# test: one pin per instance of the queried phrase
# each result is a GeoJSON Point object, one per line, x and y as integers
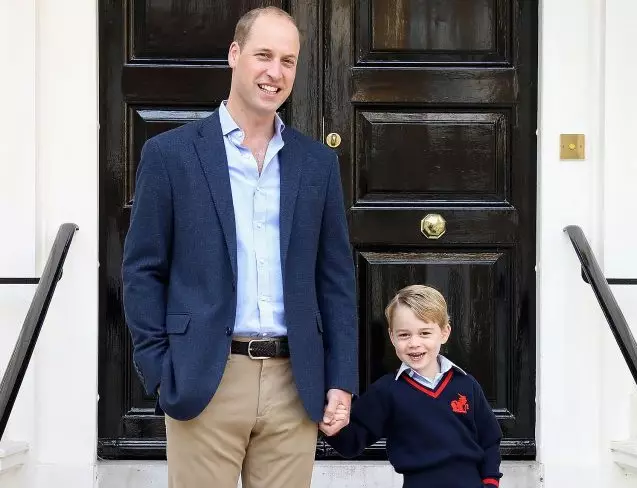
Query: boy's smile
{"type": "Point", "coordinates": [417, 342]}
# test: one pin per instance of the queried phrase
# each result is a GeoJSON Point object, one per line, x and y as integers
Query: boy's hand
{"type": "Point", "coordinates": [336, 414]}
{"type": "Point", "coordinates": [339, 419]}
{"type": "Point", "coordinates": [336, 397]}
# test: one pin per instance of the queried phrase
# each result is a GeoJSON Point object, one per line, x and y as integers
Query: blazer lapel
{"type": "Point", "coordinates": [290, 159]}
{"type": "Point", "coordinates": [212, 156]}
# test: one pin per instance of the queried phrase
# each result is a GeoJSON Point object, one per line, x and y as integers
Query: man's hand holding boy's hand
{"type": "Point", "coordinates": [339, 420]}
{"type": "Point", "coordinates": [336, 414]}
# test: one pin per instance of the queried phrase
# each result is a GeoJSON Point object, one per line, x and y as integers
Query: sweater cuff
{"type": "Point", "coordinates": [491, 482]}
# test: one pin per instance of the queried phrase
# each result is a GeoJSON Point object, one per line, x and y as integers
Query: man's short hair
{"type": "Point", "coordinates": [242, 30]}
{"type": "Point", "coordinates": [425, 302]}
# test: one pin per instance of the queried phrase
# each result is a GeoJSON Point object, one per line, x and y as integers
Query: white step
{"type": "Point", "coordinates": [13, 455]}
{"type": "Point", "coordinates": [327, 474]}
{"type": "Point", "coordinates": [625, 455]}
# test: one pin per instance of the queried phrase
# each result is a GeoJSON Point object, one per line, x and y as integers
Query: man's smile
{"type": "Point", "coordinates": [269, 89]}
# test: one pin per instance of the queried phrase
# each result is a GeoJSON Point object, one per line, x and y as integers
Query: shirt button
{"type": "Point", "coordinates": [228, 331]}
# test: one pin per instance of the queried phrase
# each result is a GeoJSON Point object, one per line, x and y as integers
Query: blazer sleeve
{"type": "Point", "coordinates": [336, 290]}
{"type": "Point", "coordinates": [146, 265]}
{"type": "Point", "coordinates": [489, 436]}
{"type": "Point", "coordinates": [370, 414]}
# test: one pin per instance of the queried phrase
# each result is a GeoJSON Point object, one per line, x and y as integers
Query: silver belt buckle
{"type": "Point", "coordinates": [250, 352]}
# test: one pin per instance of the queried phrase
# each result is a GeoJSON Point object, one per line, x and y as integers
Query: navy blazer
{"type": "Point", "coordinates": [180, 269]}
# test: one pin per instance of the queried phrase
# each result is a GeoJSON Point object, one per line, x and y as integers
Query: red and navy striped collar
{"type": "Point", "coordinates": [433, 387]}
{"type": "Point", "coordinates": [432, 392]}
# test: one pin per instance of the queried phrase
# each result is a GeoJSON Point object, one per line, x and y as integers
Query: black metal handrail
{"type": "Point", "coordinates": [19, 362]}
{"type": "Point", "coordinates": [614, 281]}
{"type": "Point", "coordinates": [614, 316]}
{"type": "Point", "coordinates": [19, 281]}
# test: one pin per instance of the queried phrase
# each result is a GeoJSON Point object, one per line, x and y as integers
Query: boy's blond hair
{"type": "Point", "coordinates": [425, 302]}
{"type": "Point", "coordinates": [242, 29]}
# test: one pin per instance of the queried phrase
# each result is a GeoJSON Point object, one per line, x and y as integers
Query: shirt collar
{"type": "Point", "coordinates": [228, 124]}
{"type": "Point", "coordinates": [445, 365]}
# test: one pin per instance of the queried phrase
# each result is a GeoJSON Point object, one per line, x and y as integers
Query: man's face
{"type": "Point", "coordinates": [265, 67]}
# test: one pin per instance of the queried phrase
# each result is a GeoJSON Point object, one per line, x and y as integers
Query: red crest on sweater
{"type": "Point", "coordinates": [461, 405]}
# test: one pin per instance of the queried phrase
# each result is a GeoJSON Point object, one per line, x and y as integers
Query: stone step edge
{"type": "Point", "coordinates": [12, 455]}
{"type": "Point", "coordinates": [625, 454]}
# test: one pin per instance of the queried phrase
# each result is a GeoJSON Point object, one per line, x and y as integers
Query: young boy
{"type": "Point", "coordinates": [440, 429]}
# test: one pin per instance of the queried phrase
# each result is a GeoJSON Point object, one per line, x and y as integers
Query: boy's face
{"type": "Point", "coordinates": [417, 342]}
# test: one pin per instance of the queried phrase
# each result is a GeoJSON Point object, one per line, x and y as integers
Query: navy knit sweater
{"type": "Point", "coordinates": [447, 437]}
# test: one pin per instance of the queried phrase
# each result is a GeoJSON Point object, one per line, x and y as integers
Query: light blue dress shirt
{"type": "Point", "coordinates": [443, 362]}
{"type": "Point", "coordinates": [256, 201]}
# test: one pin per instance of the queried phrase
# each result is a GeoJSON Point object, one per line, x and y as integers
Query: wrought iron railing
{"type": "Point", "coordinates": [592, 273]}
{"type": "Point", "coordinates": [19, 362]}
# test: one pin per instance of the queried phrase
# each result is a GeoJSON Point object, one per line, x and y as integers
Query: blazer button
{"type": "Point", "coordinates": [228, 331]}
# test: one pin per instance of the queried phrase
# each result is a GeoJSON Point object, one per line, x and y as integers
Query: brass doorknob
{"type": "Point", "coordinates": [433, 226]}
{"type": "Point", "coordinates": [333, 139]}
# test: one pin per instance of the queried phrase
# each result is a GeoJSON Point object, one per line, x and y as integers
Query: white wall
{"type": "Point", "coordinates": [619, 234]}
{"type": "Point", "coordinates": [49, 164]}
{"type": "Point", "coordinates": [67, 191]}
{"type": "Point", "coordinates": [583, 383]}
{"type": "Point", "coordinates": [17, 189]}
{"type": "Point", "coordinates": [569, 328]}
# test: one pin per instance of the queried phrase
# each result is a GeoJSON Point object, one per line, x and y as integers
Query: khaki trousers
{"type": "Point", "coordinates": [255, 425]}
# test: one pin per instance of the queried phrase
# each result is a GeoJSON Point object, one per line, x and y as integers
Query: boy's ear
{"type": "Point", "coordinates": [446, 332]}
{"type": "Point", "coordinates": [391, 335]}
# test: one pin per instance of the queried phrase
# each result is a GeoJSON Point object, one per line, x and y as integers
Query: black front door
{"type": "Point", "coordinates": [434, 103]}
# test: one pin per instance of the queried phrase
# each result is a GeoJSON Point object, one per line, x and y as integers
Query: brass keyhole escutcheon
{"type": "Point", "coordinates": [333, 139]}
{"type": "Point", "coordinates": [433, 226]}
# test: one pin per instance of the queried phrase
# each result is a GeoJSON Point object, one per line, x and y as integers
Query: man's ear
{"type": "Point", "coordinates": [233, 54]}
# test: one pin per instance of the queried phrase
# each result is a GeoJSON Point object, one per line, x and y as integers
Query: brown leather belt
{"type": "Point", "coordinates": [262, 348]}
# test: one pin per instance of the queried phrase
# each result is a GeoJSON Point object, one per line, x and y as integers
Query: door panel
{"type": "Point", "coordinates": [435, 102]}
{"type": "Point", "coordinates": [480, 308]}
{"type": "Point", "coordinates": [144, 123]}
{"type": "Point", "coordinates": [458, 156]}
{"type": "Point", "coordinates": [186, 30]}
{"type": "Point", "coordinates": [431, 27]}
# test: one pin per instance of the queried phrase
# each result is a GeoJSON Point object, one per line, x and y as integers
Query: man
{"type": "Point", "coordinates": [238, 279]}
